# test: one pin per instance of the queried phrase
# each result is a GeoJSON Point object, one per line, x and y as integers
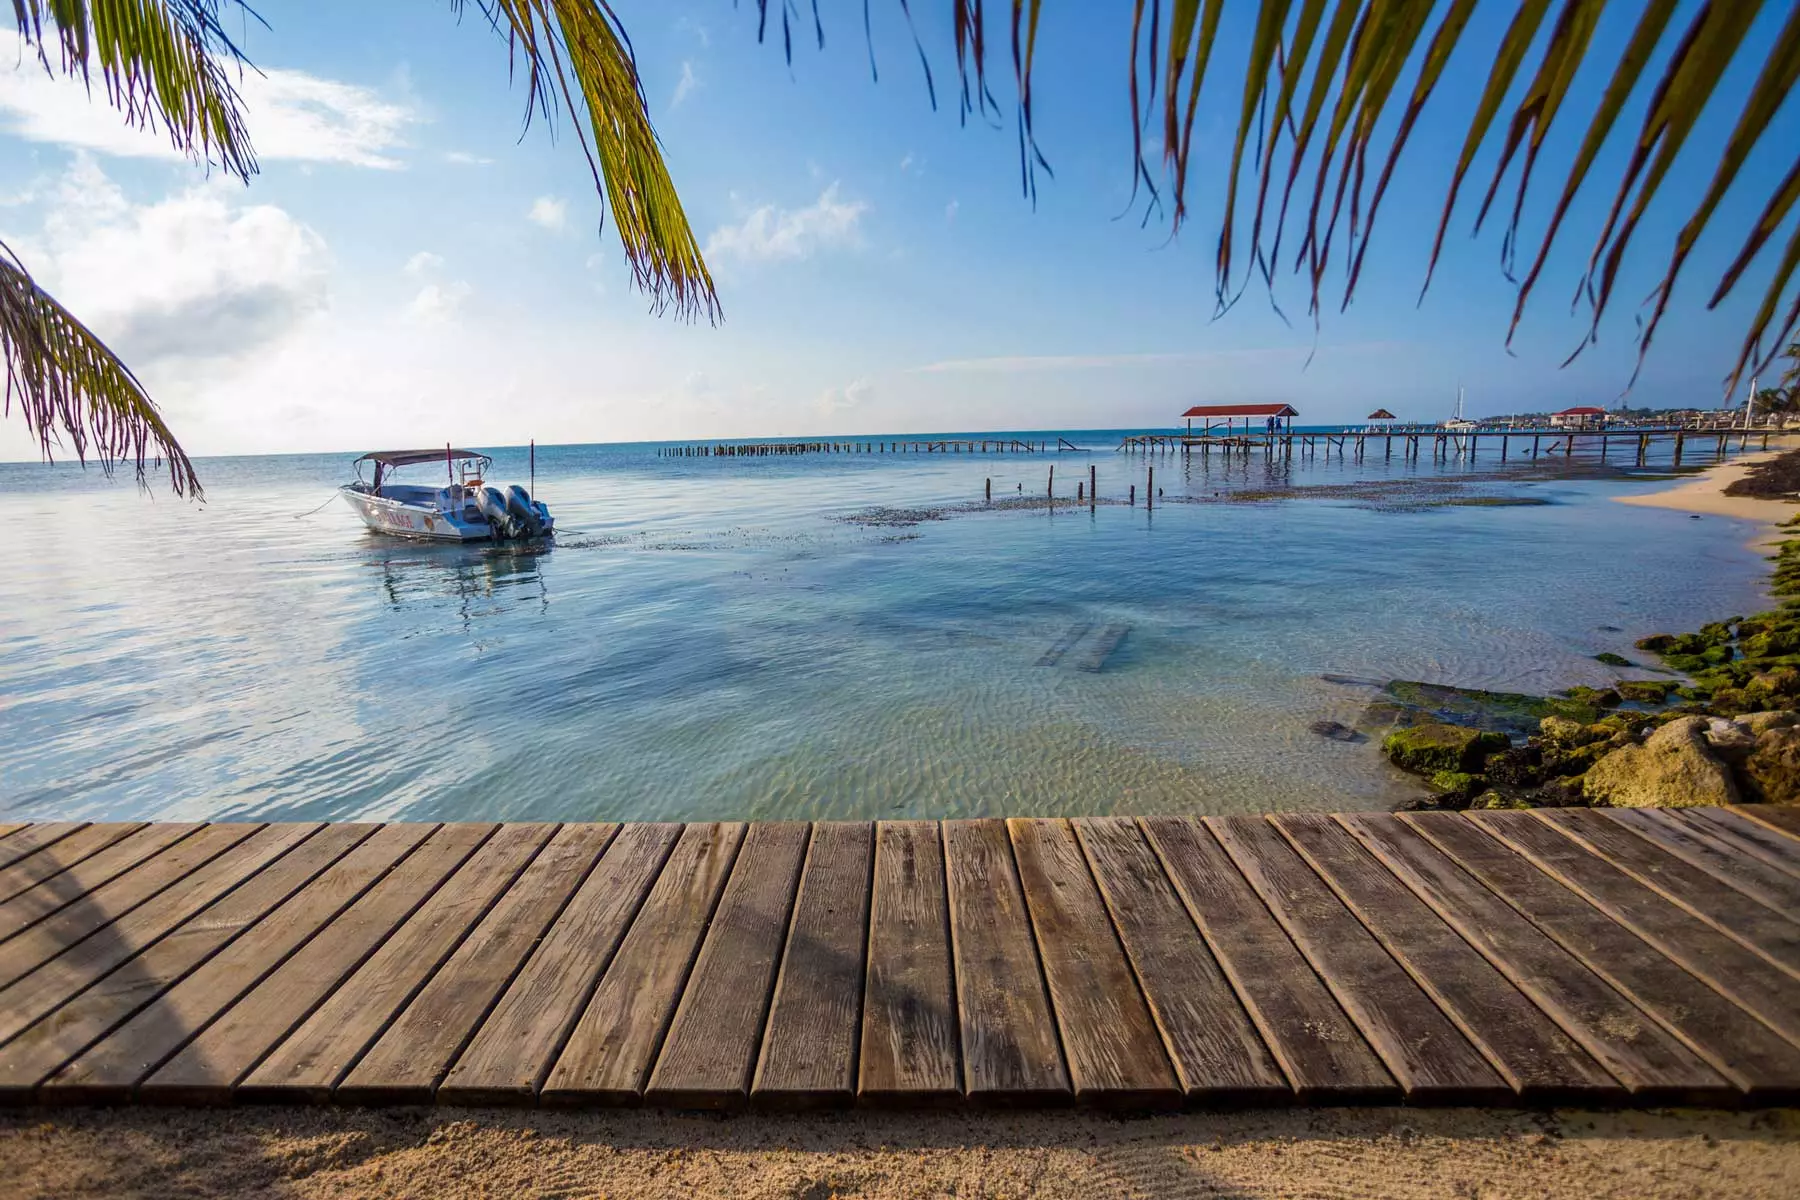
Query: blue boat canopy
{"type": "Point", "coordinates": [406, 458]}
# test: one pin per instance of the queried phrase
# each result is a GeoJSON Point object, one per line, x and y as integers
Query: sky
{"type": "Point", "coordinates": [413, 265]}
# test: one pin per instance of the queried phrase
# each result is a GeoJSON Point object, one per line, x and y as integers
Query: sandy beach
{"type": "Point", "coordinates": [449, 1155]}
{"type": "Point", "coordinates": [1705, 493]}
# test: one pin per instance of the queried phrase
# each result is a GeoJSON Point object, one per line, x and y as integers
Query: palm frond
{"type": "Point", "coordinates": [576, 56]}
{"type": "Point", "coordinates": [164, 63]}
{"type": "Point", "coordinates": [69, 385]}
{"type": "Point", "coordinates": [1320, 76]}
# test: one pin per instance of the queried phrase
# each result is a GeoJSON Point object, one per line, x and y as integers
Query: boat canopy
{"type": "Point", "coordinates": [406, 458]}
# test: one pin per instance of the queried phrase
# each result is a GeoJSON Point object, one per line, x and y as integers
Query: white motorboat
{"type": "Point", "coordinates": [464, 509]}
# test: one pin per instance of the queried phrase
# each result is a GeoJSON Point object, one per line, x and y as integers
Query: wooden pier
{"type": "Point", "coordinates": [886, 446]}
{"type": "Point", "coordinates": [1413, 442]}
{"type": "Point", "coordinates": [1565, 956]}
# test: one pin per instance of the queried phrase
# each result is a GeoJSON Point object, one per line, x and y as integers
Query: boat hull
{"type": "Point", "coordinates": [407, 520]}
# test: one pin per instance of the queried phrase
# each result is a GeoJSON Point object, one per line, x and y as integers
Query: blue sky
{"type": "Point", "coordinates": [407, 268]}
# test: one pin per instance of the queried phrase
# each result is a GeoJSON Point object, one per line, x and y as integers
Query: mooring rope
{"type": "Point", "coordinates": [321, 508]}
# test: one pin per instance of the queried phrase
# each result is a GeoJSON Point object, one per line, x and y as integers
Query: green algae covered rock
{"type": "Point", "coordinates": [1771, 774]}
{"type": "Point", "coordinates": [1432, 746]}
{"type": "Point", "coordinates": [1644, 691]}
{"type": "Point", "coordinates": [1613, 660]}
{"type": "Point", "coordinates": [1454, 788]}
{"type": "Point", "coordinates": [1674, 768]}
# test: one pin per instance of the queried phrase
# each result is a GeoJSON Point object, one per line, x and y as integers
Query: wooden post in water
{"type": "Point", "coordinates": [1150, 490]}
{"type": "Point", "coordinates": [1051, 490]}
{"type": "Point", "coordinates": [1092, 490]}
{"type": "Point", "coordinates": [988, 493]}
{"type": "Point", "coordinates": [1131, 497]}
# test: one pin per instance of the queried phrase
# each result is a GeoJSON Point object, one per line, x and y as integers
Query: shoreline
{"type": "Point", "coordinates": [1704, 495]}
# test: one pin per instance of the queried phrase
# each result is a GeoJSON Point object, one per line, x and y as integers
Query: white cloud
{"type": "Point", "coordinates": [199, 275]}
{"type": "Point", "coordinates": [851, 395]}
{"type": "Point", "coordinates": [689, 25]}
{"type": "Point", "coordinates": [436, 303]}
{"type": "Point", "coordinates": [684, 87]}
{"type": "Point", "coordinates": [290, 115]}
{"type": "Point", "coordinates": [549, 212]}
{"type": "Point", "coordinates": [463, 158]}
{"type": "Point", "coordinates": [906, 162]}
{"type": "Point", "coordinates": [770, 234]}
{"type": "Point", "coordinates": [423, 263]}
{"type": "Point", "coordinates": [950, 210]}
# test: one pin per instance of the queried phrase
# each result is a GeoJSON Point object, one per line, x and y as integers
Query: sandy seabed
{"type": "Point", "coordinates": [448, 1154]}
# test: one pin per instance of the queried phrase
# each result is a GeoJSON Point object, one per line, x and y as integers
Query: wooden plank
{"type": "Point", "coordinates": [1651, 1063]}
{"type": "Point", "coordinates": [909, 1043]}
{"type": "Point", "coordinates": [7, 829]}
{"type": "Point", "coordinates": [713, 1039]}
{"type": "Point", "coordinates": [1745, 977]}
{"type": "Point", "coordinates": [1725, 908]}
{"type": "Point", "coordinates": [36, 994]}
{"type": "Point", "coordinates": [1781, 819]}
{"type": "Point", "coordinates": [1320, 1050]}
{"type": "Point", "coordinates": [1009, 1040]}
{"type": "Point", "coordinates": [1536, 1058]}
{"type": "Point", "coordinates": [209, 1068]}
{"type": "Point", "coordinates": [610, 1050]}
{"type": "Point", "coordinates": [28, 840]}
{"type": "Point", "coordinates": [515, 1047]}
{"type": "Point", "coordinates": [59, 854]}
{"type": "Point", "coordinates": [1769, 886]}
{"type": "Point", "coordinates": [1219, 1058]}
{"type": "Point", "coordinates": [97, 870]}
{"type": "Point", "coordinates": [36, 1054]}
{"type": "Point", "coordinates": [1430, 1057]}
{"type": "Point", "coordinates": [406, 1063]}
{"type": "Point", "coordinates": [108, 1070]}
{"type": "Point", "coordinates": [1114, 1050]}
{"type": "Point", "coordinates": [1750, 1055]}
{"type": "Point", "coordinates": [113, 900]}
{"type": "Point", "coordinates": [1748, 837]}
{"type": "Point", "coordinates": [309, 1062]}
{"type": "Point", "coordinates": [815, 1017]}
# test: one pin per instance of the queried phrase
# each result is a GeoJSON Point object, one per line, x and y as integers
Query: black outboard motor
{"type": "Point", "coordinates": [493, 507]}
{"type": "Point", "coordinates": [520, 508]}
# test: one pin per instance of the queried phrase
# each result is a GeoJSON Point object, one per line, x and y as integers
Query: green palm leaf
{"type": "Point", "coordinates": [67, 384]}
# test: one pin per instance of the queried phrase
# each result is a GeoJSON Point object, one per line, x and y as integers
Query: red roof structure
{"type": "Point", "coordinates": [1241, 410]}
{"type": "Point", "coordinates": [1582, 411]}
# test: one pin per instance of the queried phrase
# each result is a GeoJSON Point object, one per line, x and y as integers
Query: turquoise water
{"type": "Point", "coordinates": [764, 638]}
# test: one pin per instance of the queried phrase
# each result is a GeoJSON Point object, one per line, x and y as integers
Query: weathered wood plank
{"type": "Point", "coordinates": [1009, 1040]}
{"type": "Point", "coordinates": [610, 1050]}
{"type": "Point", "coordinates": [1747, 837]}
{"type": "Point", "coordinates": [1751, 1056]}
{"type": "Point", "coordinates": [27, 840]}
{"type": "Point", "coordinates": [711, 1048]}
{"type": "Point", "coordinates": [62, 975]}
{"type": "Point", "coordinates": [209, 1068]}
{"type": "Point", "coordinates": [1536, 1058]}
{"type": "Point", "coordinates": [909, 1041]}
{"type": "Point", "coordinates": [1651, 1063]}
{"type": "Point", "coordinates": [112, 901]}
{"type": "Point", "coordinates": [308, 1063]}
{"type": "Point", "coordinates": [515, 1047]}
{"type": "Point", "coordinates": [406, 1062]}
{"type": "Point", "coordinates": [1318, 1047]}
{"type": "Point", "coordinates": [95, 871]}
{"type": "Point", "coordinates": [1218, 1056]}
{"type": "Point", "coordinates": [1735, 971]}
{"type": "Point", "coordinates": [1115, 1052]}
{"type": "Point", "coordinates": [1769, 886]}
{"type": "Point", "coordinates": [1725, 908]}
{"type": "Point", "coordinates": [59, 853]}
{"type": "Point", "coordinates": [1781, 819]}
{"type": "Point", "coordinates": [108, 1070]}
{"type": "Point", "coordinates": [7, 829]}
{"type": "Point", "coordinates": [808, 1054]}
{"type": "Point", "coordinates": [81, 1021]}
{"type": "Point", "coordinates": [1430, 1057]}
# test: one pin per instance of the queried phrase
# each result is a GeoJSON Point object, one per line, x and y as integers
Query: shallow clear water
{"type": "Point", "coordinates": [713, 638]}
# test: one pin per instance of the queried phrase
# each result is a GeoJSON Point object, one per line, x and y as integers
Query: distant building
{"type": "Point", "coordinates": [1262, 414]}
{"type": "Point", "coordinates": [1583, 417]}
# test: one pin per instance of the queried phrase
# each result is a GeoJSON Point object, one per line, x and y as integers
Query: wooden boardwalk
{"type": "Point", "coordinates": [1574, 956]}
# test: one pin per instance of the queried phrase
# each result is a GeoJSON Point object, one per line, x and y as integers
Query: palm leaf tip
{"type": "Point", "coordinates": [576, 51]}
{"type": "Point", "coordinates": [68, 385]}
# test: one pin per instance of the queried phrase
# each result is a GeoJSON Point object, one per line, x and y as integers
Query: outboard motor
{"type": "Point", "coordinates": [493, 507]}
{"type": "Point", "coordinates": [519, 506]}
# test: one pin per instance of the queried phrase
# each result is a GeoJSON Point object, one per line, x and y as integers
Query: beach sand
{"type": "Point", "coordinates": [449, 1155]}
{"type": "Point", "coordinates": [1705, 493]}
